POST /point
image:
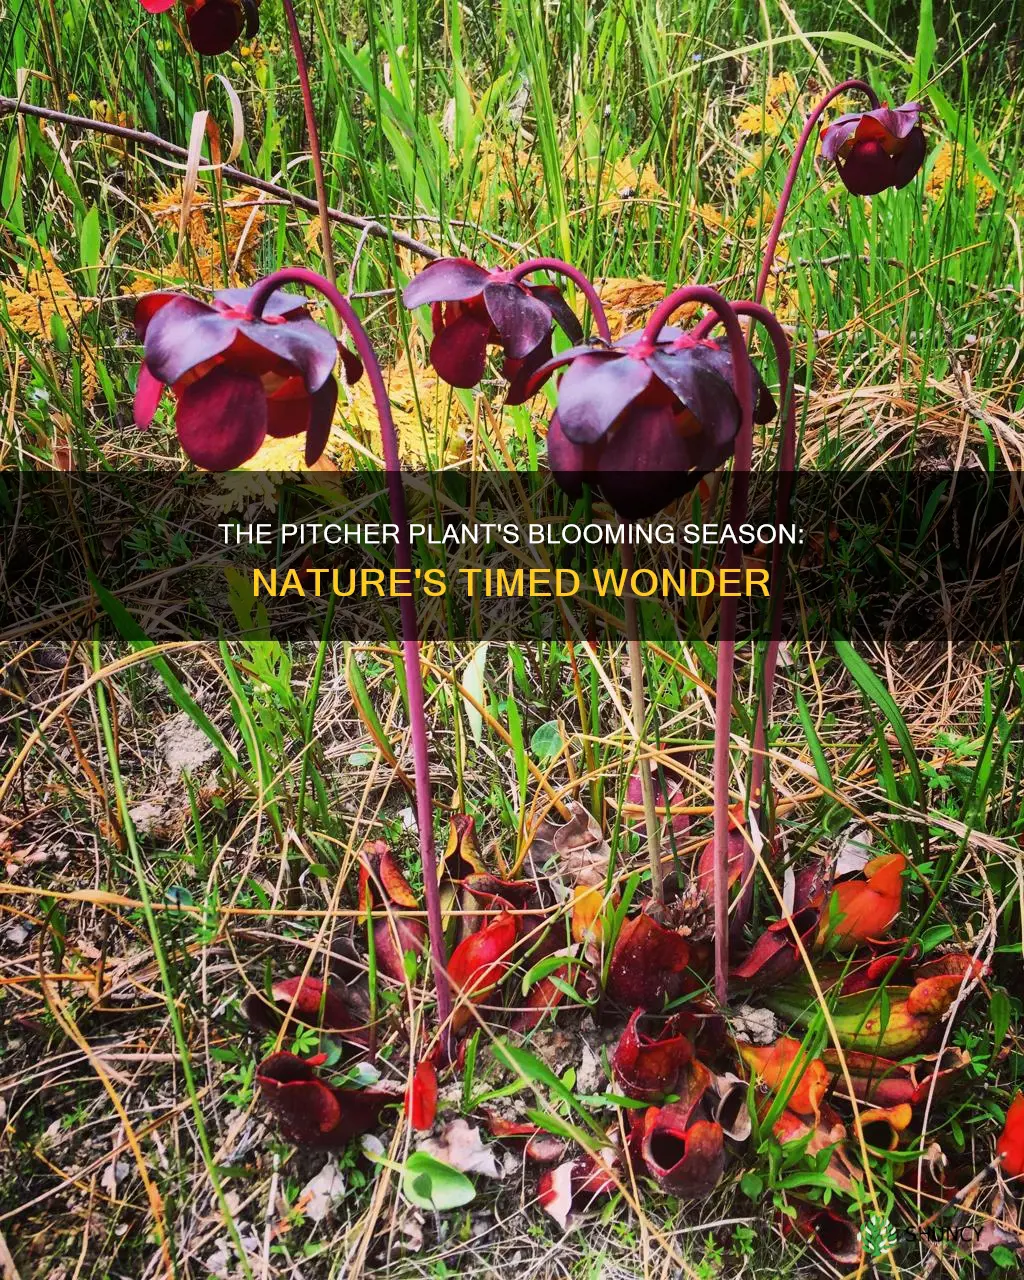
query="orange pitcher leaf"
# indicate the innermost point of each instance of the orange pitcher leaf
(421, 1096)
(786, 1069)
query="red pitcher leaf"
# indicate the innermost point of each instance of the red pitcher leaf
(421, 1096)
(462, 853)
(479, 963)
(393, 936)
(864, 908)
(886, 1083)
(686, 1159)
(833, 1234)
(648, 1064)
(1010, 1147)
(787, 1069)
(576, 1184)
(493, 893)
(894, 1024)
(539, 1146)
(775, 956)
(669, 789)
(648, 965)
(330, 1006)
(738, 850)
(543, 997)
(378, 870)
(882, 1126)
(311, 1112)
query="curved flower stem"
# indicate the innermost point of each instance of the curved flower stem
(314, 139)
(574, 274)
(786, 467)
(780, 213)
(743, 387)
(638, 713)
(410, 642)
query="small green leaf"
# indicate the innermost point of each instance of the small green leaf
(546, 741)
(89, 250)
(999, 1009)
(752, 1185)
(429, 1183)
(178, 896)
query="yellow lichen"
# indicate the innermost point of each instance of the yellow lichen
(942, 174)
(47, 293)
(243, 220)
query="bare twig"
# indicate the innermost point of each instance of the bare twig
(9, 106)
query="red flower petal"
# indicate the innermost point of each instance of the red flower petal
(1010, 1146)
(157, 6)
(180, 334)
(522, 321)
(479, 963)
(421, 1096)
(447, 280)
(222, 419)
(459, 352)
(214, 25)
(148, 391)
(648, 965)
(646, 1066)
(867, 170)
(596, 390)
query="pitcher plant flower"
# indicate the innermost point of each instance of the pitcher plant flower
(474, 307)
(644, 418)
(213, 25)
(876, 150)
(237, 377)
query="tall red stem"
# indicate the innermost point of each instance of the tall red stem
(743, 387)
(314, 139)
(410, 641)
(574, 274)
(780, 213)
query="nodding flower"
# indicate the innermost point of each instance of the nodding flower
(876, 150)
(643, 420)
(237, 378)
(473, 308)
(213, 25)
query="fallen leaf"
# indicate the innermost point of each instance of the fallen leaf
(321, 1193)
(461, 1146)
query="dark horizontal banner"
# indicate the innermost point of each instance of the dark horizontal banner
(506, 556)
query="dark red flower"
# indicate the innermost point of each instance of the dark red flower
(421, 1096)
(311, 1112)
(1010, 1147)
(473, 308)
(648, 1066)
(876, 150)
(648, 965)
(213, 25)
(643, 421)
(237, 379)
